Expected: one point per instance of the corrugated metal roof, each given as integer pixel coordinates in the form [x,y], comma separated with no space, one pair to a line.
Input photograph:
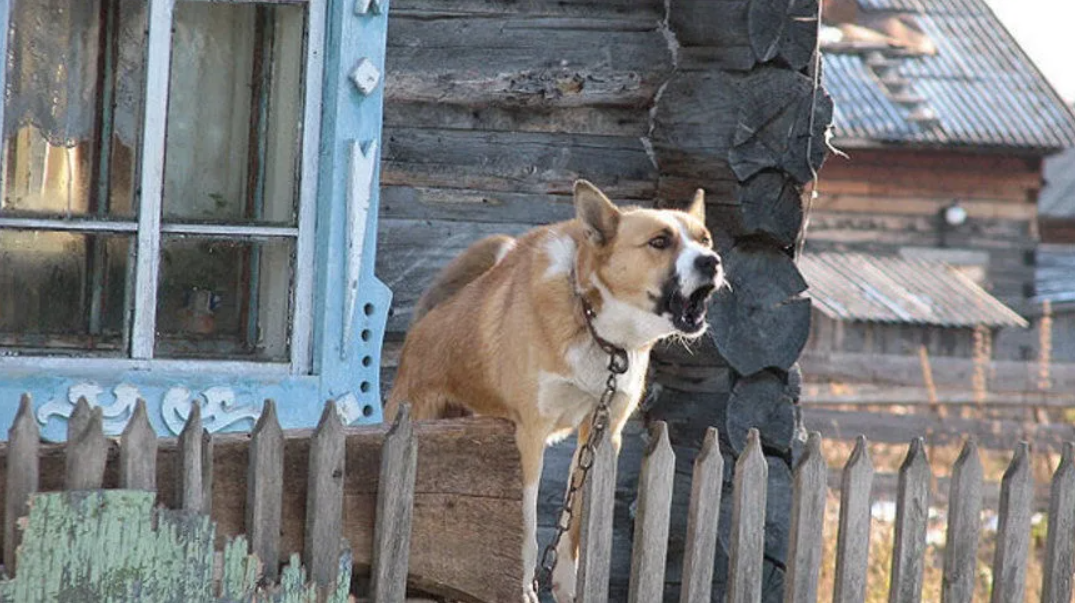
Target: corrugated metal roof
[851,286]
[1054,277]
[1057,199]
[981,87]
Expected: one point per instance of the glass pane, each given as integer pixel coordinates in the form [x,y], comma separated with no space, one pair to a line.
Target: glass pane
[73,107]
[221,298]
[63,290]
[233,113]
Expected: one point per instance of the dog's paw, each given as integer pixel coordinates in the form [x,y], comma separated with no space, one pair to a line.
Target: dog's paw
[529,596]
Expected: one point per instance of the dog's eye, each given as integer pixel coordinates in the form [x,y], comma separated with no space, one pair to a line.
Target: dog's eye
[706,241]
[660,242]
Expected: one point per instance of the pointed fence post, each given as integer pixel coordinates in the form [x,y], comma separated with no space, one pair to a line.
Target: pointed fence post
[807,521]
[964,524]
[703,515]
[748,523]
[265,489]
[138,452]
[324,499]
[195,456]
[595,538]
[651,521]
[853,542]
[86,454]
[1013,529]
[912,516]
[1060,543]
[395,510]
[24,443]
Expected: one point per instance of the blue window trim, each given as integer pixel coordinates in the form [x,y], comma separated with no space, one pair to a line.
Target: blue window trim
[350,304]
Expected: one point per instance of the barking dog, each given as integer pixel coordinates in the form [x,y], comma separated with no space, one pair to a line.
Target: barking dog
[503,332]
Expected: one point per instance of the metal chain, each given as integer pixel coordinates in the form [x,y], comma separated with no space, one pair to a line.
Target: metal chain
[599,421]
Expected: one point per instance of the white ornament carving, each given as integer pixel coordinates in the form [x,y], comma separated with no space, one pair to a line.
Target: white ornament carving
[365,76]
[348,409]
[114,416]
[218,406]
[359,194]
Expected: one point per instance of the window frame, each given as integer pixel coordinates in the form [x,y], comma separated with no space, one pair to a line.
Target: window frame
[148,228]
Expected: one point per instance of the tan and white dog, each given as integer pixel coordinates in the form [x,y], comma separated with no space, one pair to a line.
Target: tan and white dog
[502,331]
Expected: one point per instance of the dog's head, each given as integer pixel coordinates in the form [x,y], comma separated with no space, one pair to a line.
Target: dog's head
[655,269]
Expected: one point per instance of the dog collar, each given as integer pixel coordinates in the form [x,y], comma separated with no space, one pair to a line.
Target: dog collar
[617,356]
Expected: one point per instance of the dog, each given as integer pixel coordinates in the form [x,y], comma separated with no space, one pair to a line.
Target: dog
[520,328]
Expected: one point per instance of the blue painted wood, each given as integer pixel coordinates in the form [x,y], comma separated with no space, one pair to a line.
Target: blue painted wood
[346,371]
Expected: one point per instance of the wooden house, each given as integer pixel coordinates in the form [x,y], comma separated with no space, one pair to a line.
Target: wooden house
[1053,310]
[946,124]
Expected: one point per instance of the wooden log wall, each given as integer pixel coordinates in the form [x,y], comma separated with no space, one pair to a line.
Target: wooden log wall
[493,108]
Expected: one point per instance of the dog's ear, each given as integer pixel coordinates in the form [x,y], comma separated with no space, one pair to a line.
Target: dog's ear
[697,206]
[596,212]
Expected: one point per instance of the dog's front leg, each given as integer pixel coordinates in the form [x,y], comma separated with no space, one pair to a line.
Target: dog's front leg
[531,443]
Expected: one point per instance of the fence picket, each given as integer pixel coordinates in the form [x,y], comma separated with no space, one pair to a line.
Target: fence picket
[595,542]
[912,515]
[703,515]
[324,499]
[651,521]
[748,523]
[807,520]
[80,417]
[1060,543]
[195,482]
[265,489]
[964,523]
[1013,530]
[853,541]
[23,465]
[86,454]
[138,452]
[395,510]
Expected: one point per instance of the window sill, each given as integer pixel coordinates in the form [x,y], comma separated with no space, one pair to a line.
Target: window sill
[247,369]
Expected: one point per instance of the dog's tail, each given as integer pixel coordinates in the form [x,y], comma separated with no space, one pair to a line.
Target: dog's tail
[472,263]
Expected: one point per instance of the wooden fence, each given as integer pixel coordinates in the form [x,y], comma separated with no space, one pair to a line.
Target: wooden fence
[412,537]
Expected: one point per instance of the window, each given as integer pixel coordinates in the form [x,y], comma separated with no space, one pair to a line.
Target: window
[156,202]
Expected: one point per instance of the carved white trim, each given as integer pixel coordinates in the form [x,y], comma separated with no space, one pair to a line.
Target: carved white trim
[365,76]
[349,409]
[359,195]
[114,416]
[219,408]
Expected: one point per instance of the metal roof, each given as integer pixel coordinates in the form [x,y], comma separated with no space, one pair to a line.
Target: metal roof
[979,89]
[1057,199]
[1054,276]
[851,286]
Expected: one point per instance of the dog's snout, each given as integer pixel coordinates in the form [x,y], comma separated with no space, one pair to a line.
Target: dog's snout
[707,264]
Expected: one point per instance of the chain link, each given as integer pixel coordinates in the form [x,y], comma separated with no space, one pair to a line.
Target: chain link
[599,421]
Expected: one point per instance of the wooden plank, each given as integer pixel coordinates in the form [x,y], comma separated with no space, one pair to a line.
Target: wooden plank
[748,523]
[703,516]
[651,519]
[86,455]
[853,541]
[190,490]
[79,419]
[645,12]
[324,498]
[869,394]
[265,489]
[1059,566]
[395,511]
[807,520]
[1013,531]
[964,524]
[595,533]
[467,531]
[21,479]
[912,517]
[138,452]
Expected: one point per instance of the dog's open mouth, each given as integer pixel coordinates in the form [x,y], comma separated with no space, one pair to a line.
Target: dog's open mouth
[688,313]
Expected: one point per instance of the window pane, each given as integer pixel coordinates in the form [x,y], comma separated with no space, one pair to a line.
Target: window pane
[62,290]
[73,106]
[233,113]
[222,298]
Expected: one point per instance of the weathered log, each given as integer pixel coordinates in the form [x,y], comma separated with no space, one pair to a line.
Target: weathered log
[761,401]
[771,206]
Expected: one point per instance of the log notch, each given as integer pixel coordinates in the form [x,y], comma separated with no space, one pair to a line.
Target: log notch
[741,118]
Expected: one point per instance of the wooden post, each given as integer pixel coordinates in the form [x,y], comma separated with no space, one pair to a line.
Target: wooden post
[807,520]
[703,518]
[964,517]
[853,542]
[22,475]
[191,464]
[1013,531]
[595,542]
[265,489]
[138,452]
[324,499]
[86,455]
[748,523]
[395,511]
[1060,543]
[912,515]
[651,521]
